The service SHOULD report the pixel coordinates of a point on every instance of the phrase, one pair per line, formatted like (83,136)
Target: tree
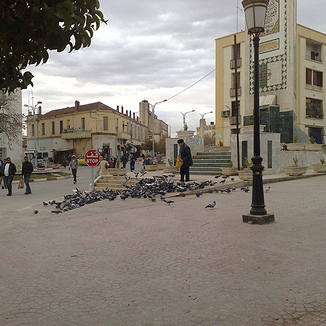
(30,28)
(11,123)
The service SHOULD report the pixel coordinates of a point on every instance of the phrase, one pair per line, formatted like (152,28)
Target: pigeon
(232,179)
(223,181)
(127,177)
(234,188)
(267,189)
(35,211)
(143,173)
(217,176)
(56,212)
(210,191)
(245,189)
(211,205)
(45,204)
(225,176)
(168,201)
(199,193)
(136,173)
(182,194)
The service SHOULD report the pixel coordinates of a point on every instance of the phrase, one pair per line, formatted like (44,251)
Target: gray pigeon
(211,205)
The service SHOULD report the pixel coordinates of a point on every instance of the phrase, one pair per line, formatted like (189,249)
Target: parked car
(81,161)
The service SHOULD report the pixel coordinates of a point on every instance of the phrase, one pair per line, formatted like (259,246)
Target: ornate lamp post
(184,119)
(34,129)
(202,123)
(255,11)
(153,124)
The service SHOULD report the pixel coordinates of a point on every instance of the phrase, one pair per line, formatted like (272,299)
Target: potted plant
(246,173)
(312,146)
(170,168)
(230,170)
(295,146)
(320,167)
(295,169)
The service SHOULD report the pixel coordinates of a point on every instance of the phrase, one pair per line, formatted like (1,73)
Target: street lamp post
(201,123)
(255,11)
(153,124)
(34,128)
(184,119)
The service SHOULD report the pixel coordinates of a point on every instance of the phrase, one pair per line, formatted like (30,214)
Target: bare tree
(11,122)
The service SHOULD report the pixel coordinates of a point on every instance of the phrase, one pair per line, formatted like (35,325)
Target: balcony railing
(232,92)
(76,133)
(233,120)
(232,63)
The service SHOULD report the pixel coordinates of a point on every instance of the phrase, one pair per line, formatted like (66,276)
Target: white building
(292,73)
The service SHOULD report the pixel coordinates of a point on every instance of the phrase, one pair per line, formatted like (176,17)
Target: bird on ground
(234,188)
(223,181)
(136,173)
(127,177)
(267,189)
(182,194)
(45,204)
(56,212)
(168,201)
(232,179)
(217,176)
(225,176)
(211,205)
(210,191)
(142,173)
(35,211)
(245,189)
(199,194)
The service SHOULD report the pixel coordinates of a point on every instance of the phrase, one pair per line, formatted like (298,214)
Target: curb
(45,179)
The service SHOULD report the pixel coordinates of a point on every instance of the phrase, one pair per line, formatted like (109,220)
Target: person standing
(27,170)
(186,158)
(132,162)
(4,181)
(8,174)
(124,160)
(159,158)
(74,165)
(103,167)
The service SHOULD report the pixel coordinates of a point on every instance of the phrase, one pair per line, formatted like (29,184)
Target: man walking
(27,170)
(186,158)
(8,174)
(74,165)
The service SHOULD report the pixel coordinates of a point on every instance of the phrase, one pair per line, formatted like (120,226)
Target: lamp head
(255,11)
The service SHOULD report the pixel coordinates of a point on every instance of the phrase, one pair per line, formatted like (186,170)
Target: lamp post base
(258,219)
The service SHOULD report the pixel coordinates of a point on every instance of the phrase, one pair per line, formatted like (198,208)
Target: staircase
(210,163)
(114,182)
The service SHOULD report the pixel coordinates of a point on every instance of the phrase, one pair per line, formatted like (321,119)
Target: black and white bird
(168,201)
(267,189)
(35,211)
(45,204)
(211,205)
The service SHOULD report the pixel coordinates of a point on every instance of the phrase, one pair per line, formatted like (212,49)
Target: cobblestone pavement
(143,263)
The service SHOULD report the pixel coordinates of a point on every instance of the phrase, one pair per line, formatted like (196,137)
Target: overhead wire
(198,81)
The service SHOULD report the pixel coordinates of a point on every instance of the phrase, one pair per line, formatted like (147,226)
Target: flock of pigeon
(151,188)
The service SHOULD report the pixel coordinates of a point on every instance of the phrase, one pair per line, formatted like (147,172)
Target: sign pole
(92,178)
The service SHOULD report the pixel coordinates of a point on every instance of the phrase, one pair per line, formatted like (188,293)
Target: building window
(105,123)
(234,108)
(236,50)
(61,126)
(53,127)
(83,123)
(314,108)
(314,77)
(235,79)
(43,128)
(68,124)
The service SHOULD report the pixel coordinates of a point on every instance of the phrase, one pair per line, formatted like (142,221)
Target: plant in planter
(312,140)
(312,146)
(295,139)
(246,173)
(320,167)
(296,169)
(230,170)
(295,146)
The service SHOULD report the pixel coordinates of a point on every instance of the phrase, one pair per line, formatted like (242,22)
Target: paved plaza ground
(142,263)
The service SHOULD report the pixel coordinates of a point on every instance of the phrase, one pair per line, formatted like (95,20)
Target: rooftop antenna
(238,8)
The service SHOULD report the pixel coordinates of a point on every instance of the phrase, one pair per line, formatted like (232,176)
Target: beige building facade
(76,129)
(292,71)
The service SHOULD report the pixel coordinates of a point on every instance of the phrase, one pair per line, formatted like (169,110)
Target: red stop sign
(92,157)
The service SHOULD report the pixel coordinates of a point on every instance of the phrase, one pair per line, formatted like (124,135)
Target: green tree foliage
(30,28)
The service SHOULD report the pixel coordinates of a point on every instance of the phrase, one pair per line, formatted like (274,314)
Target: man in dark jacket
(27,170)
(185,154)
(9,171)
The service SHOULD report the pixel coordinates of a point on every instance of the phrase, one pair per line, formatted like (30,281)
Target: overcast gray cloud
(150,50)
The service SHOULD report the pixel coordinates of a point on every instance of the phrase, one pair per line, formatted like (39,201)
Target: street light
(255,11)
(202,123)
(153,122)
(184,119)
(34,129)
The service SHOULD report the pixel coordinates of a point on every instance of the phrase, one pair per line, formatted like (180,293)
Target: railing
(232,92)
(232,63)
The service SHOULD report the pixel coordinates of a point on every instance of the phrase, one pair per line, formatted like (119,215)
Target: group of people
(8,171)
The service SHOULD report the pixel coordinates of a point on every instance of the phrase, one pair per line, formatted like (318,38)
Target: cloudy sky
(150,50)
